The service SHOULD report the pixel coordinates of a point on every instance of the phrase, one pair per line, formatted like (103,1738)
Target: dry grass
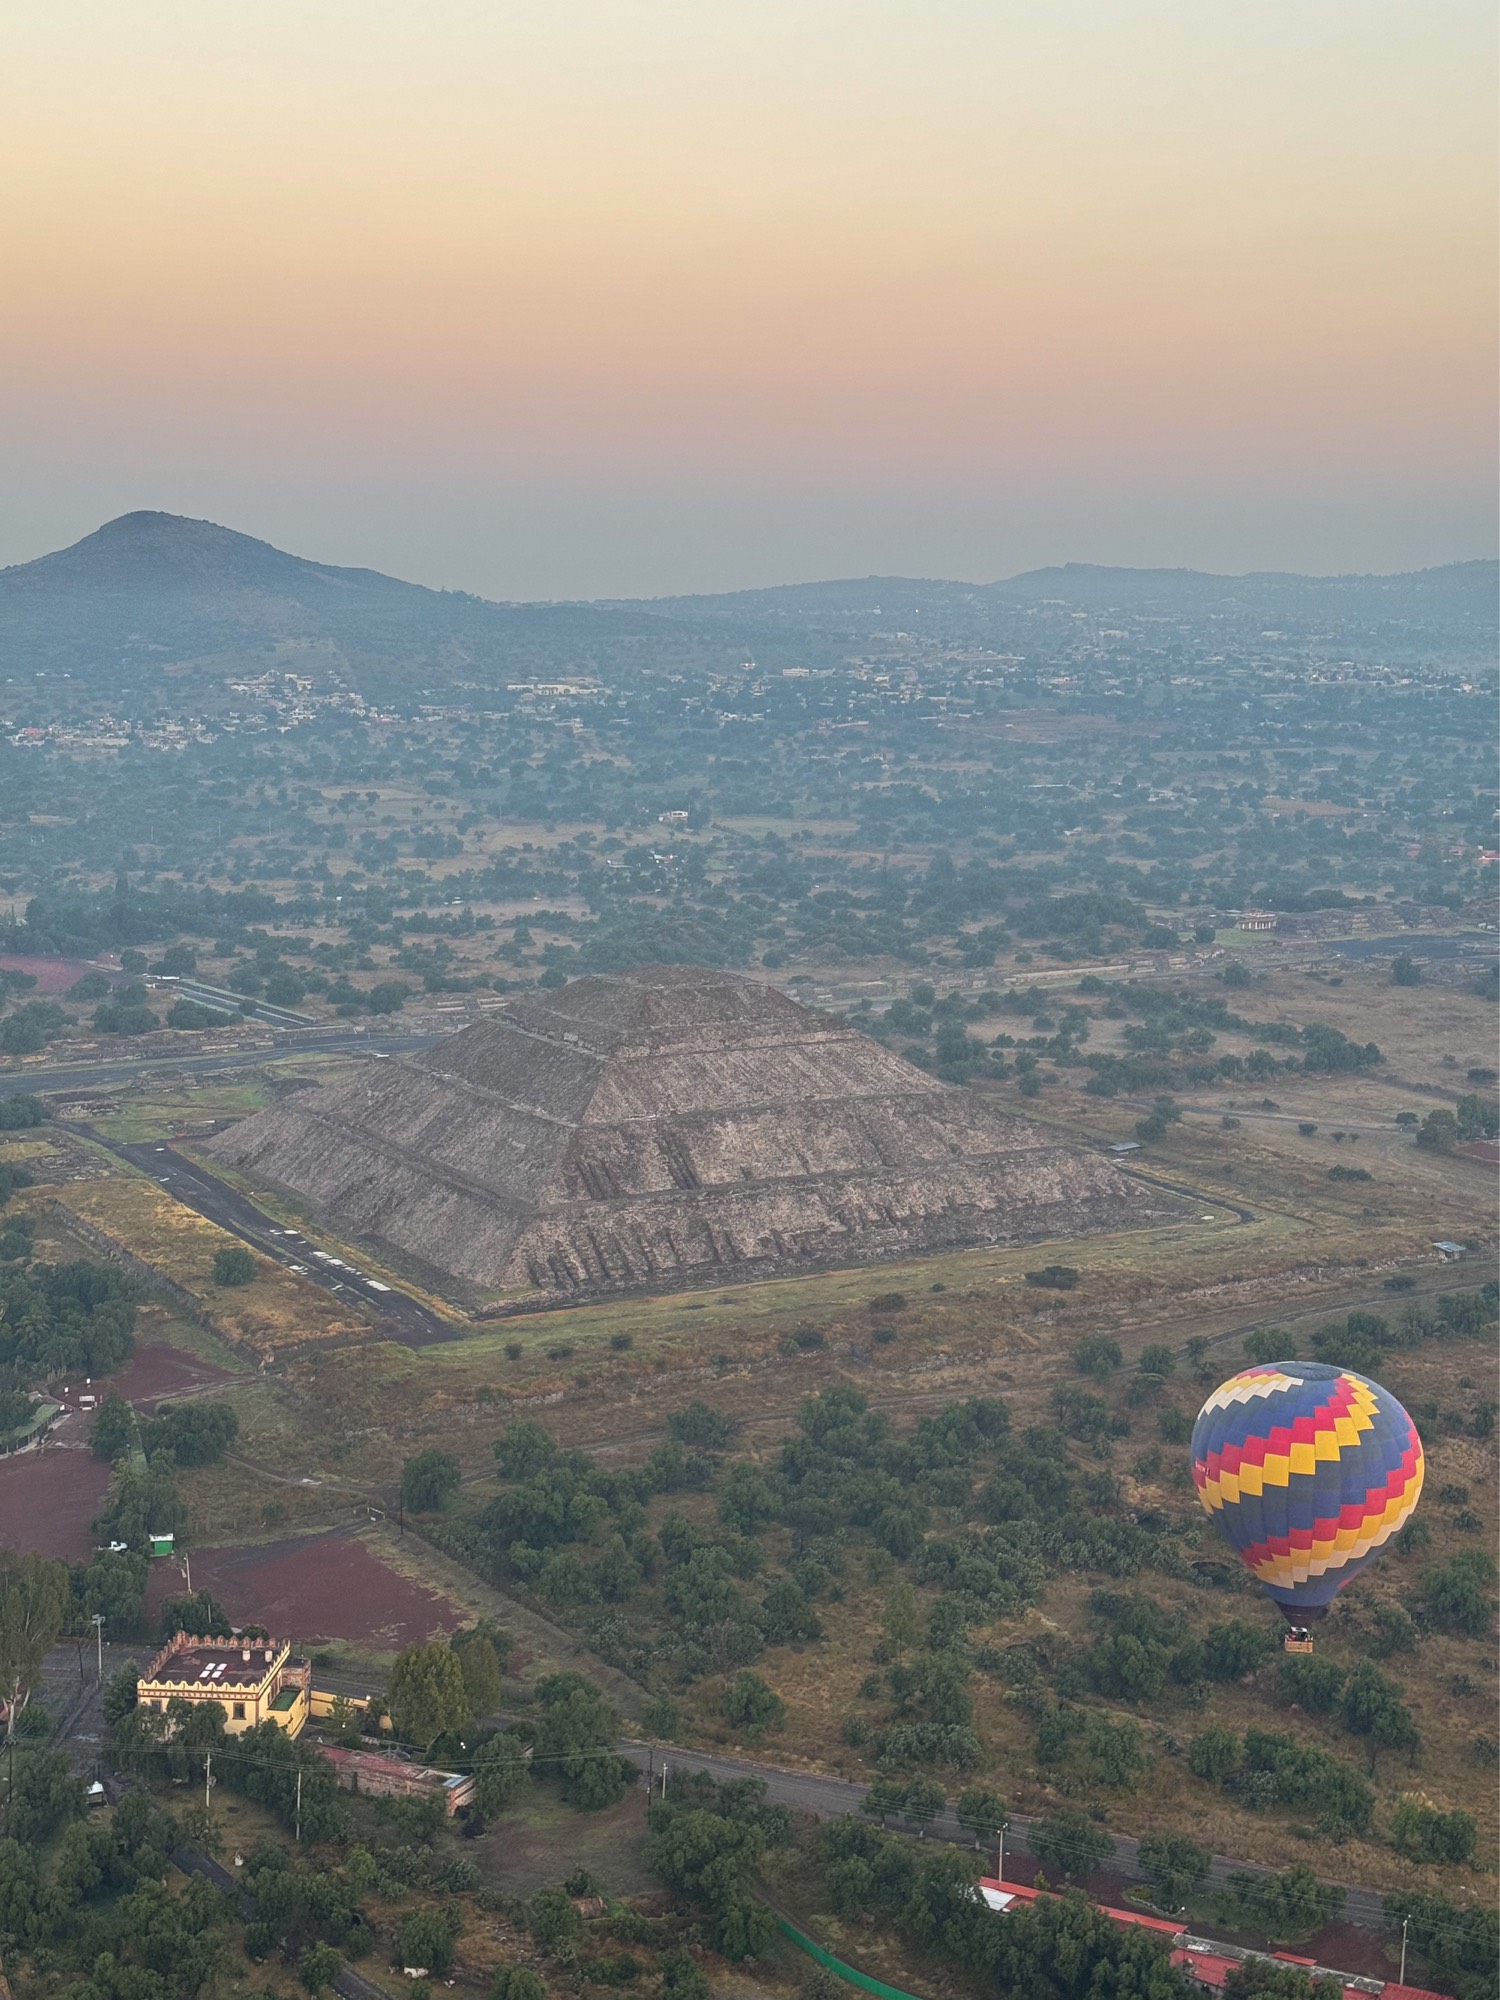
(275,1313)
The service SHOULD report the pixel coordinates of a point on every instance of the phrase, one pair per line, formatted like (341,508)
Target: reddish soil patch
(319,1587)
(158,1371)
(47,1500)
(52,975)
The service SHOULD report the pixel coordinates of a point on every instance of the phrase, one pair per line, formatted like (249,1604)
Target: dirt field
(47,1500)
(319,1587)
(52,975)
(156,1372)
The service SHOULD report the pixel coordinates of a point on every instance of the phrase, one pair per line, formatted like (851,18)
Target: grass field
(274,1313)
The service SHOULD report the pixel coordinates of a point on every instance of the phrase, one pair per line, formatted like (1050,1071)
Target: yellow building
(254,1681)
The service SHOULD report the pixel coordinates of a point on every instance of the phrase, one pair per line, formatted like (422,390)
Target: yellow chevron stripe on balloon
(1348,1545)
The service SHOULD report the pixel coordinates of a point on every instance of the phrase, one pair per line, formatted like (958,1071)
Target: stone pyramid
(662,1127)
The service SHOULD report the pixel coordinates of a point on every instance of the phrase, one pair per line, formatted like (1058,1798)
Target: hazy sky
(587,297)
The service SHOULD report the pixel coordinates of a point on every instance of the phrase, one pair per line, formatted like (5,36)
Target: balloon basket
(1297,1640)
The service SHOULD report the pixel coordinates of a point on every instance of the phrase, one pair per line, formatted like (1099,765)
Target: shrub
(702,1425)
(429,1480)
(1059,1277)
(1174,1866)
(749,1704)
(1455,1597)
(1070,1843)
(1441,1839)
(1310,1683)
(234,1266)
(516,1982)
(1214,1756)
(426,1938)
(1099,1356)
(1269,1345)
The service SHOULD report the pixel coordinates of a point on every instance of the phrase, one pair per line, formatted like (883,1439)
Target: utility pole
(1000,1857)
(664,1781)
(1401,1975)
(298,1835)
(208,1778)
(98,1625)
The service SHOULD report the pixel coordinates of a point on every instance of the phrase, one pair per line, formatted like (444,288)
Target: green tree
(1310,1683)
(519,1982)
(120,1693)
(1268,1345)
(192,1433)
(198,1612)
(1286,1907)
(502,1770)
(481,1674)
(749,1704)
(1371,1705)
(1235,1648)
(113,1430)
(1441,1839)
(143,1501)
(1098,1356)
(1438,1132)
(902,1620)
(234,1265)
(524,1450)
(702,1425)
(683,1978)
(425,1938)
(1070,1843)
(318,1967)
(1174,1866)
(922,1802)
(1456,1596)
(33,1604)
(575,1742)
(1405,970)
(427,1696)
(44,1794)
(1214,1756)
(430,1480)
(981,1812)
(708,1855)
(1157,1359)
(557,1925)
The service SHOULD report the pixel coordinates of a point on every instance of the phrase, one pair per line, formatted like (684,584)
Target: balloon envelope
(1307,1470)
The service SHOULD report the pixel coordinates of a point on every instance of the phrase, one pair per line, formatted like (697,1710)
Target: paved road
(397,1315)
(805,1791)
(125,1069)
(1240,1213)
(192,988)
(830,1798)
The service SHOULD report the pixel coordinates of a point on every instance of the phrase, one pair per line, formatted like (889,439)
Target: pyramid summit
(667,1126)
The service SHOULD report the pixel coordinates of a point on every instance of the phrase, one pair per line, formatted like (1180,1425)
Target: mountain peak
(149,551)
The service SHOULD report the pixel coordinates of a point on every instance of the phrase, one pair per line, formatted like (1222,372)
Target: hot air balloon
(1307,1470)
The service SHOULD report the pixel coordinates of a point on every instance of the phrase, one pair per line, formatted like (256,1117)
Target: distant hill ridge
(152,589)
